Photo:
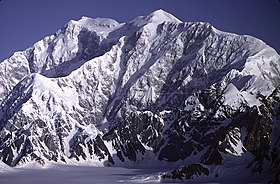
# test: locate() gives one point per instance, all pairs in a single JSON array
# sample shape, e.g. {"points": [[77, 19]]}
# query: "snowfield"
{"points": [[33, 173], [73, 174]]}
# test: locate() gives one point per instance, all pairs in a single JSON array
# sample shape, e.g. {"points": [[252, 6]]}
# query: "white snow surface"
{"points": [[4, 168], [232, 171], [73, 174], [157, 17], [102, 26], [233, 97]]}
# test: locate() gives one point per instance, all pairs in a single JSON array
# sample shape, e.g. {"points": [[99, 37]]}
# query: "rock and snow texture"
{"points": [[152, 88]]}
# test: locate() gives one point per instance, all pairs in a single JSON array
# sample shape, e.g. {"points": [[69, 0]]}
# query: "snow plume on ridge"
{"points": [[154, 89]]}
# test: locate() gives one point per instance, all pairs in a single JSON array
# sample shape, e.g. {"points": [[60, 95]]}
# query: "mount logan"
{"points": [[152, 90]]}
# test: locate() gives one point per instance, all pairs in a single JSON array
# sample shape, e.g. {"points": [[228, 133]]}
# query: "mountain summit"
{"points": [[152, 90], [157, 17]]}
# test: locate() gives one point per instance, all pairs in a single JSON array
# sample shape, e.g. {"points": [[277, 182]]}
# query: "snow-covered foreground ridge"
{"points": [[152, 89]]}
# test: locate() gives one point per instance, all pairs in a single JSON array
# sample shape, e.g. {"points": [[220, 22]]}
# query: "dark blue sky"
{"points": [[23, 22]]}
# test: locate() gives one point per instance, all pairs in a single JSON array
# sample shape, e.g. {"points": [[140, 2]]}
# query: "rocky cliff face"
{"points": [[152, 88]]}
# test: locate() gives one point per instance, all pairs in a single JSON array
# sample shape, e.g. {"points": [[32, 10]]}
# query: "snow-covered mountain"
{"points": [[152, 89]]}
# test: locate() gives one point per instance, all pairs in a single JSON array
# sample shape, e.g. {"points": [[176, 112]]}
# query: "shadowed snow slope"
{"points": [[152, 90]]}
